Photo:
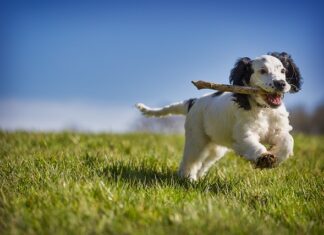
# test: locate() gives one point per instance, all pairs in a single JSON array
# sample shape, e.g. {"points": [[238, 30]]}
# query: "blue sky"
{"points": [[110, 55]]}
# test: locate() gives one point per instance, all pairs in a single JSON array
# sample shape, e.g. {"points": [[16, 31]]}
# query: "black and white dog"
{"points": [[218, 122]]}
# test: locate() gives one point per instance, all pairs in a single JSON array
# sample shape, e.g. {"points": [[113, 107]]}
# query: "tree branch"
{"points": [[230, 88]]}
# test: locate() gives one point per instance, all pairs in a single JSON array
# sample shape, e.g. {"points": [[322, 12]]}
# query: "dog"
{"points": [[223, 121]]}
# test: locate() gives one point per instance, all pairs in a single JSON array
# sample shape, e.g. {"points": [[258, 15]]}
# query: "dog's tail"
{"points": [[179, 108]]}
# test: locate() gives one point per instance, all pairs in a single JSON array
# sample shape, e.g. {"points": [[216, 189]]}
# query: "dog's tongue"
{"points": [[274, 99]]}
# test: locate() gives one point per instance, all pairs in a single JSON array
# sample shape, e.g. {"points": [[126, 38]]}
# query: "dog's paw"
{"points": [[266, 160]]}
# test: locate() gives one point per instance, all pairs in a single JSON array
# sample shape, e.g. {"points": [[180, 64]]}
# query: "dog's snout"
{"points": [[279, 84]]}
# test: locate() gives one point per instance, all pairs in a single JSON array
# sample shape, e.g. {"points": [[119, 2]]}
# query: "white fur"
{"points": [[215, 125]]}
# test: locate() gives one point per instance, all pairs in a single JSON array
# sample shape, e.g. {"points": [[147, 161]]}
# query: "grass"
{"points": [[68, 183]]}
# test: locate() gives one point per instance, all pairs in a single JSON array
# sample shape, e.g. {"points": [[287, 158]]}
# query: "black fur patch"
{"points": [[218, 93], [293, 75], [242, 101], [191, 102], [240, 75]]}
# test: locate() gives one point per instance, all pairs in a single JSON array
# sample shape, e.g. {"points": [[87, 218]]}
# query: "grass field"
{"points": [[70, 183]]}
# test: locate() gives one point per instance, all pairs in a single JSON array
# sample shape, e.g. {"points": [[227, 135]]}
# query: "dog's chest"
{"points": [[266, 123]]}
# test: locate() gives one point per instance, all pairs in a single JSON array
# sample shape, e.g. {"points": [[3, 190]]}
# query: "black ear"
{"points": [[241, 73], [292, 71], [240, 76]]}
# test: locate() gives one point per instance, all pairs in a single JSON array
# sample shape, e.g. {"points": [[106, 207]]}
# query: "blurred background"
{"points": [[82, 65]]}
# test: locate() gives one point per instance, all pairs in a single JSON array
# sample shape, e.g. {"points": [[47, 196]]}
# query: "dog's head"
{"points": [[275, 73]]}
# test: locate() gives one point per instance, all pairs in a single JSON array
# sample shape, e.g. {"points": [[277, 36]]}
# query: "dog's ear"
{"points": [[240, 76], [241, 73], [292, 71]]}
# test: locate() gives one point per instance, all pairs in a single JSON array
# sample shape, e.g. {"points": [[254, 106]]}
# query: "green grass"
{"points": [[70, 183]]}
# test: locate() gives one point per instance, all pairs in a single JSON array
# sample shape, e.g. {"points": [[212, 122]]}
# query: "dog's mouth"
{"points": [[273, 99]]}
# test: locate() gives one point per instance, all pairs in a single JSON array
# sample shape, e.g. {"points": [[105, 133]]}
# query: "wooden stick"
{"points": [[230, 88]]}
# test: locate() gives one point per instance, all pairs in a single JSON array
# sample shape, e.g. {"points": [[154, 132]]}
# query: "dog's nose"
{"points": [[279, 84]]}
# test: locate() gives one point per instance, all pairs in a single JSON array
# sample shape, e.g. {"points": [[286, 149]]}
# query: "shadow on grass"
{"points": [[145, 176]]}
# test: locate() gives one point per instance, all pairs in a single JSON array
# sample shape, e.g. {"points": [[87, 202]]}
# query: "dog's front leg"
{"points": [[283, 144], [247, 144]]}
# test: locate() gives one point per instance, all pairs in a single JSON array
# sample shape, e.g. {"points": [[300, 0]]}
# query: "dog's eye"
{"points": [[263, 71], [283, 71]]}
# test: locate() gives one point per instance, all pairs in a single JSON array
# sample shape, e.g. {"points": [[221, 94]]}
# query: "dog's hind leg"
{"points": [[214, 154], [195, 151]]}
